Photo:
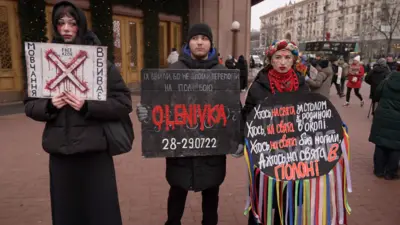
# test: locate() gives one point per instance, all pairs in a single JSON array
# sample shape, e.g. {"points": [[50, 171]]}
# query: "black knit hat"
{"points": [[200, 28]]}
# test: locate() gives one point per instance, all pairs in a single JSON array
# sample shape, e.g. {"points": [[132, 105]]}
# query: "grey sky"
{"points": [[263, 8]]}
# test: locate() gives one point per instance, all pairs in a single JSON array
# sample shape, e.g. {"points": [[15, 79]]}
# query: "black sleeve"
{"points": [[118, 103], [40, 109], [368, 78]]}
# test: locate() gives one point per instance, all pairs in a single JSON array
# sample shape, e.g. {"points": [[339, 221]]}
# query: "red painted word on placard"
{"points": [[301, 170], [192, 114], [295, 171], [283, 111]]}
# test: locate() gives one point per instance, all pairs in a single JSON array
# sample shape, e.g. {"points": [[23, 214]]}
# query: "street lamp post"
{"points": [[235, 28]]}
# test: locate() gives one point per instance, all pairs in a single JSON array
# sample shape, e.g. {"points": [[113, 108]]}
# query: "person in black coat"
{"points": [[230, 62], [199, 173], [271, 81], [244, 72], [385, 130], [83, 187], [378, 73]]}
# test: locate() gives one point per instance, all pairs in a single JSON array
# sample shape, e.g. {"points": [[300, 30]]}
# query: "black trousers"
{"points": [[83, 190], [338, 88], [342, 82], [176, 205], [356, 91], [243, 82], [386, 161]]}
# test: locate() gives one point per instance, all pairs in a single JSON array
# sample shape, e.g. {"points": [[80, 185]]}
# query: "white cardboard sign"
{"points": [[55, 68]]}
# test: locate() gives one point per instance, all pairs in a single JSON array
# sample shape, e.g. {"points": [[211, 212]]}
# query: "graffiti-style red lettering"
{"points": [[283, 111], [296, 171], [332, 155], [197, 114], [158, 121], [284, 128]]}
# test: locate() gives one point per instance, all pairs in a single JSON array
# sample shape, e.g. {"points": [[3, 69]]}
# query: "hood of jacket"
{"points": [[323, 63], [393, 82], [84, 36], [210, 62], [378, 68]]}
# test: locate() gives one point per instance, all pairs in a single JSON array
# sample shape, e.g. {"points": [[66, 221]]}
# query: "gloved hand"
{"points": [[354, 79], [239, 152], [141, 112]]}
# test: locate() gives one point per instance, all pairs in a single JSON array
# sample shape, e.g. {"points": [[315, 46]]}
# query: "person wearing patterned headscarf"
{"points": [[277, 77]]}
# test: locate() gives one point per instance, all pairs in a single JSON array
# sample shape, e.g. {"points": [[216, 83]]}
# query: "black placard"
{"points": [[294, 136], [191, 112]]}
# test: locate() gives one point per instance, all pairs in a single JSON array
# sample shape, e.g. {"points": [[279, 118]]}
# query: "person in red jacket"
{"points": [[354, 80]]}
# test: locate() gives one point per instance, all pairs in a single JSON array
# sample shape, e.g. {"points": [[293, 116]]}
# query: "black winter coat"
{"points": [[376, 76], [200, 172], [68, 131], [385, 130], [243, 67]]}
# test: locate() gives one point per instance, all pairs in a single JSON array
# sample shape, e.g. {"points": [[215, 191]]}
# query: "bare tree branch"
{"points": [[378, 29]]}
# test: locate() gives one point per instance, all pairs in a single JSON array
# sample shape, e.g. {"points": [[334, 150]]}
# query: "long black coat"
{"points": [[83, 185], [385, 130], [200, 172], [376, 76]]}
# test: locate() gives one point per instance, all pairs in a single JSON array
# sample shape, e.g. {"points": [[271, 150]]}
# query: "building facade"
{"points": [[130, 42], [344, 20]]}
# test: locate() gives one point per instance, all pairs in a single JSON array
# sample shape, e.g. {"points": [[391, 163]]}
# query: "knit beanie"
{"points": [[382, 61], [357, 58], [200, 29]]}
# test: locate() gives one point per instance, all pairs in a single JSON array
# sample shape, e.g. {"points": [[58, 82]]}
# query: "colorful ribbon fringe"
{"points": [[318, 201]]}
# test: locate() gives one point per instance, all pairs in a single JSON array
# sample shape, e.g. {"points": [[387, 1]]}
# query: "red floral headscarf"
{"points": [[289, 81], [280, 45]]}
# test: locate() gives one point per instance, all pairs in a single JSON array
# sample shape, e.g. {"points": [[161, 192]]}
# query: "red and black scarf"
{"points": [[283, 82]]}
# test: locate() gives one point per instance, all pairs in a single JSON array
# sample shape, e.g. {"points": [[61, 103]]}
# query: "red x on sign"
{"points": [[65, 70]]}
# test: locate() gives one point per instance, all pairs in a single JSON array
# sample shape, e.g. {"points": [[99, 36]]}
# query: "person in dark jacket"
{"points": [[392, 65], [279, 76], [335, 68], [230, 62], [385, 130], [201, 173], [83, 187], [378, 73], [244, 72]]}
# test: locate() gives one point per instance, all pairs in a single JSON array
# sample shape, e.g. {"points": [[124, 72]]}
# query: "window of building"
{"points": [[117, 43], [133, 48], [5, 50]]}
